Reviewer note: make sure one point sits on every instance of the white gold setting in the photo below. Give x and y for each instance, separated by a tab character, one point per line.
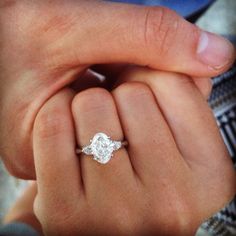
101	148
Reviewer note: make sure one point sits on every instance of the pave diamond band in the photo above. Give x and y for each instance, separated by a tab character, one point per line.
101	148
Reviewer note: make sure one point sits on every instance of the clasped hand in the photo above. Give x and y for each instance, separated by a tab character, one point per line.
165	183
175	172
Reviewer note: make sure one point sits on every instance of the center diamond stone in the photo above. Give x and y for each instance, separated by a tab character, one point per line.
101	148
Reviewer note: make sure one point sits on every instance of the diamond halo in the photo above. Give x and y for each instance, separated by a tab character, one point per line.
101	148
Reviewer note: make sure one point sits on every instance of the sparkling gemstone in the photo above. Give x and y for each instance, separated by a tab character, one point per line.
87	150
102	147
117	145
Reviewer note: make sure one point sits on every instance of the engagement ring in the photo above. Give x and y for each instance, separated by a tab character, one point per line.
101	148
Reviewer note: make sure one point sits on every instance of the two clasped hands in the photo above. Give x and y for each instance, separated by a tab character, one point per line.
175	172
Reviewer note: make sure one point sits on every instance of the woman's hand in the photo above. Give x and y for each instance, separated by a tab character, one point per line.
174	174
45	45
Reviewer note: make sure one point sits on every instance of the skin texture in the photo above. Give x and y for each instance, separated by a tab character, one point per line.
42	53
165	183
45	45
22	210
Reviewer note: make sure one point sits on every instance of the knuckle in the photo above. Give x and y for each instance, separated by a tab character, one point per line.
161	28
50	122
95	99
52	213
183	222
176	82
135	90
175	212
180	221
182	80
183	225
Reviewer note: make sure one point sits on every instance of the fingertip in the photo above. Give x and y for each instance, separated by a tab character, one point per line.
215	51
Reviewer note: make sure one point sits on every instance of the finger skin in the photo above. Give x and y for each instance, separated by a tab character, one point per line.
157	37
94	111
94	32
151	144
194	129
57	166
113	74
192	122
204	85
54	41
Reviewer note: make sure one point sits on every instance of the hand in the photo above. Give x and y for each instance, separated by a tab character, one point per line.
45	45
174	174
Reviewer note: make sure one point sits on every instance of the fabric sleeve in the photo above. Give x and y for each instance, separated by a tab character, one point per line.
17	229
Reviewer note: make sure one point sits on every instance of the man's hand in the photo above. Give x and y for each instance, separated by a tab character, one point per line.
45	45
166	182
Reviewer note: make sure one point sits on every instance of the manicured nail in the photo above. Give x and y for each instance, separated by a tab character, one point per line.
214	50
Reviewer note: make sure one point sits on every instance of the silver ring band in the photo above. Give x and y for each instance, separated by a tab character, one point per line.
79	150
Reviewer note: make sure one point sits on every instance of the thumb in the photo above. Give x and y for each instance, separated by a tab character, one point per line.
157	37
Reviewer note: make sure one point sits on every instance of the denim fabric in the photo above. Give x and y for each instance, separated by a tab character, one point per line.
17	229
185	8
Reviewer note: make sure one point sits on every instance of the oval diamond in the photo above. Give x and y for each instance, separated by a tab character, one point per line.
102	148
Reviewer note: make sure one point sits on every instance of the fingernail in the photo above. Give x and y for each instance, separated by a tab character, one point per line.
215	51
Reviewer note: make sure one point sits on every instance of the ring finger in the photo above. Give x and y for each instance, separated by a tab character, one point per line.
94	111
